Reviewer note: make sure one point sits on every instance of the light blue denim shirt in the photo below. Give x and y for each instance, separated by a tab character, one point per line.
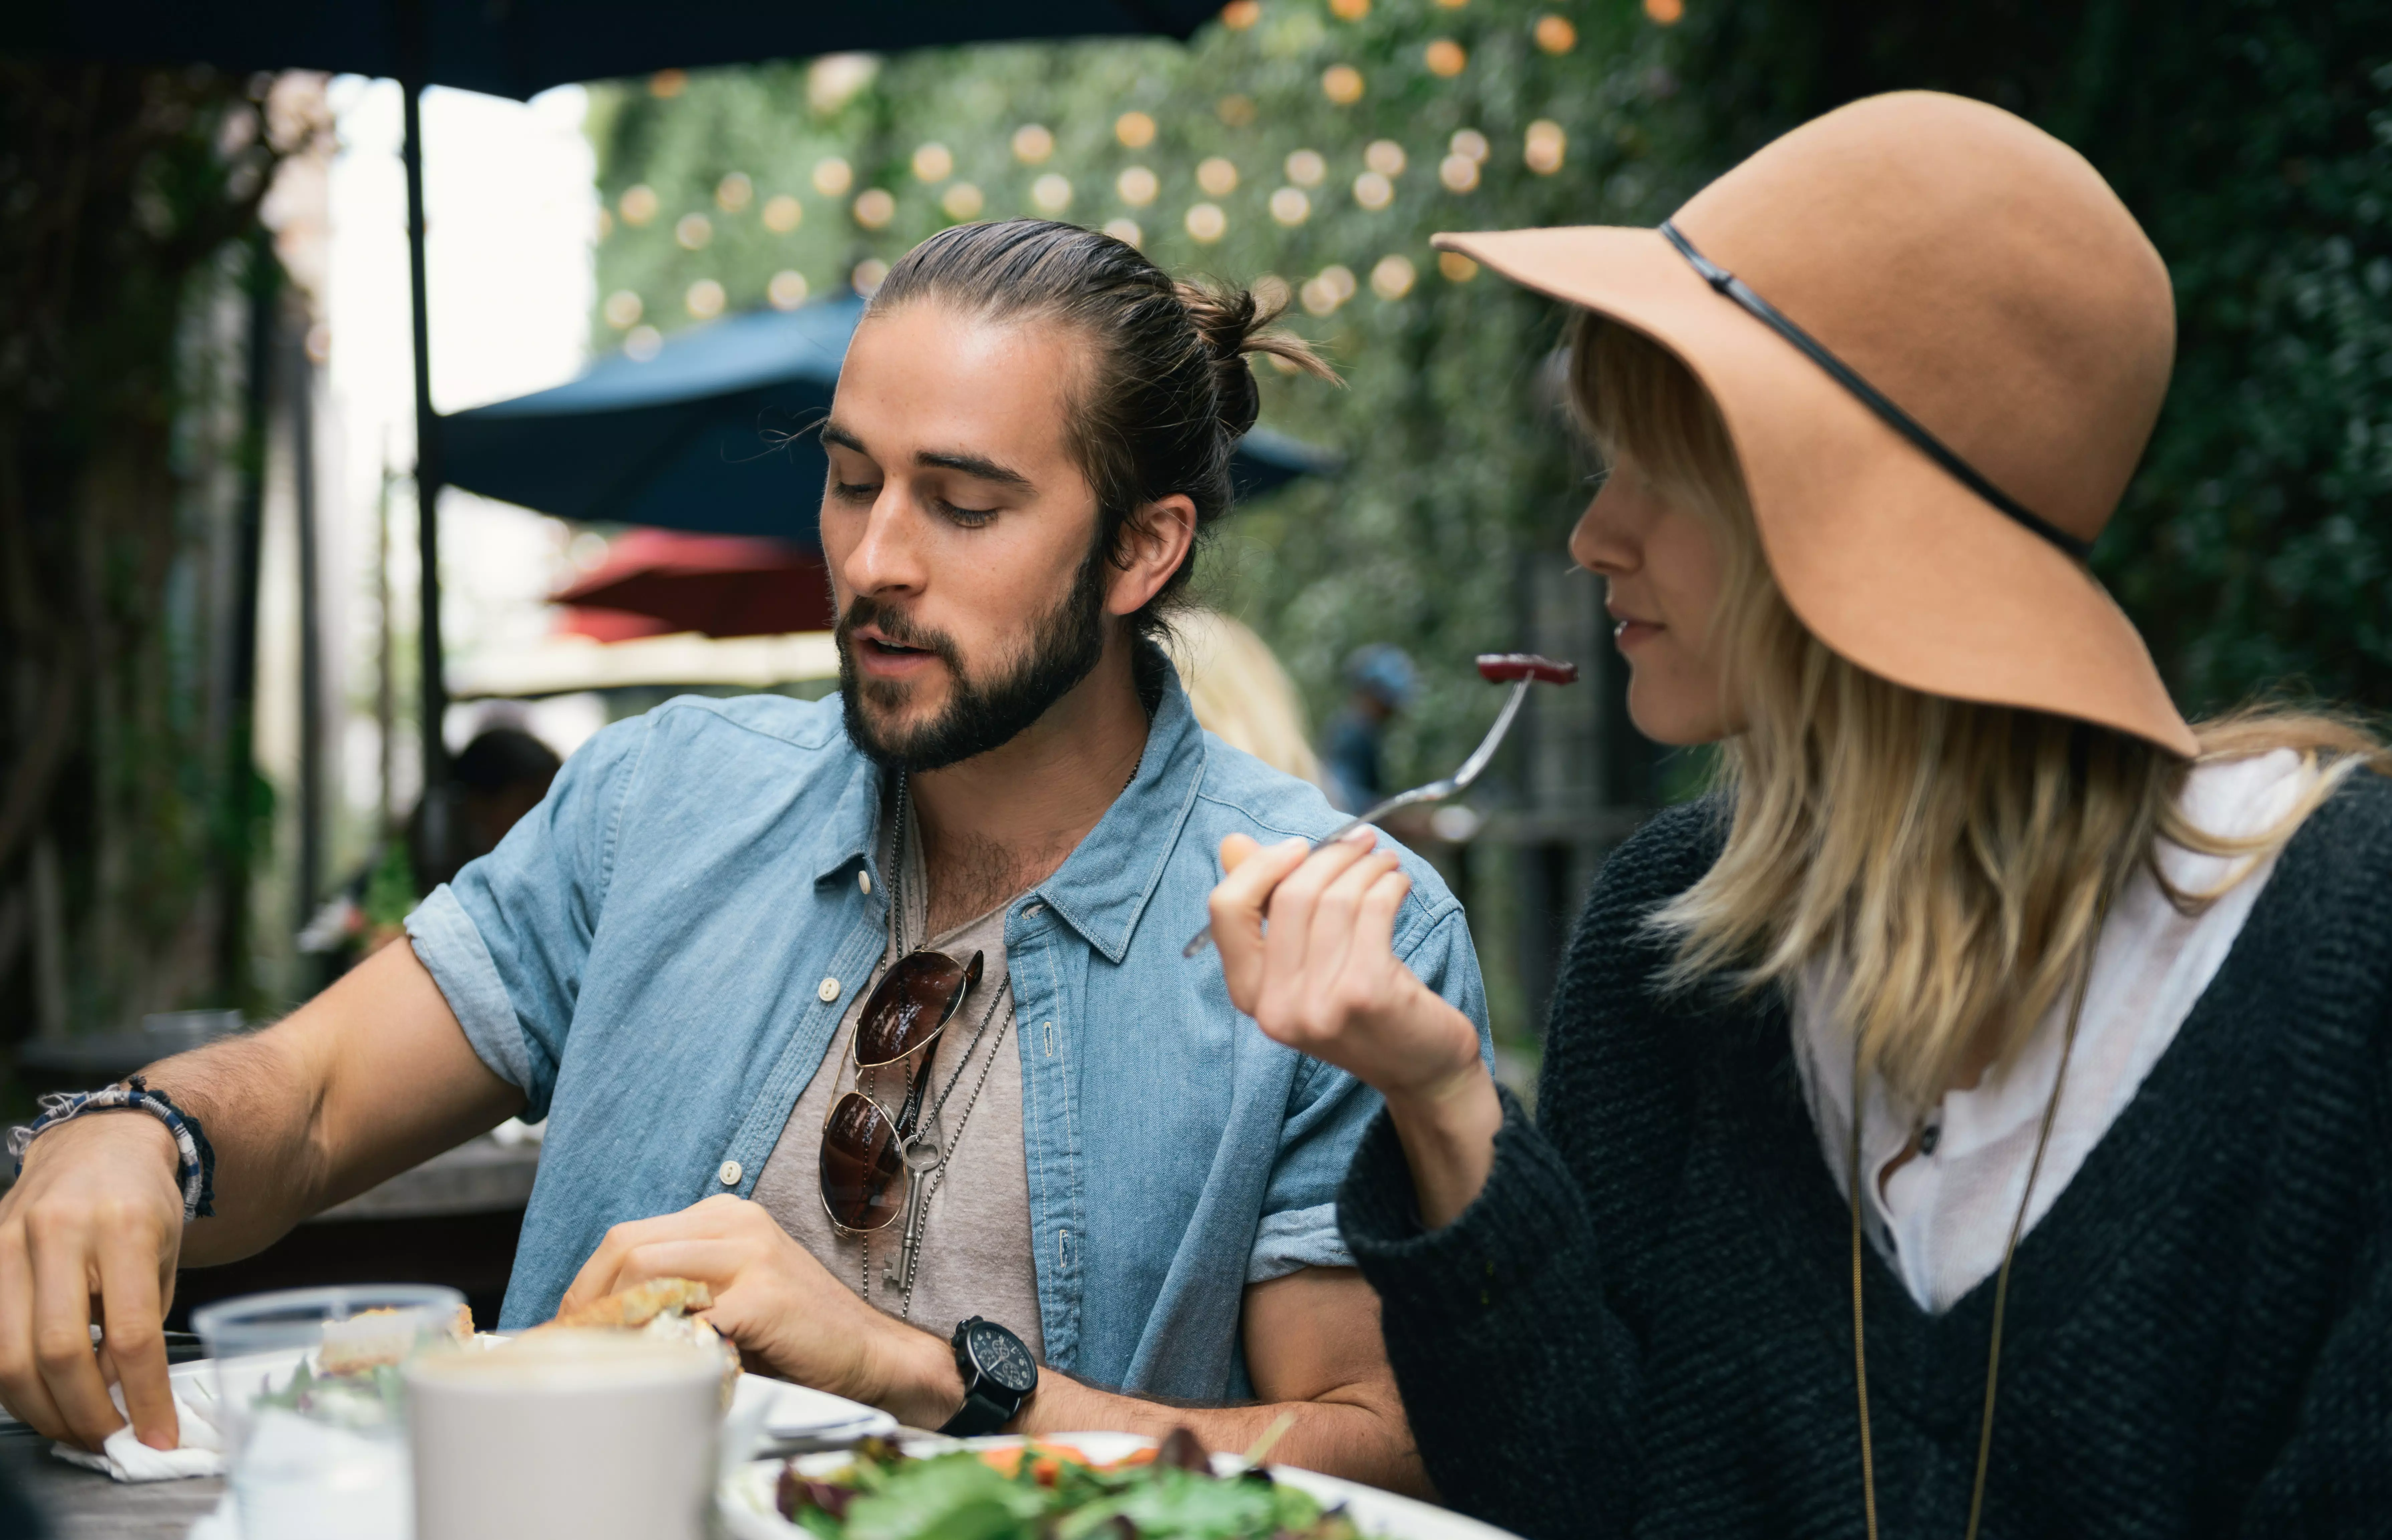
659	954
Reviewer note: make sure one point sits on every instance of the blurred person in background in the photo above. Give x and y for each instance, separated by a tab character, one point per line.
1380	681
1984	991
499	778
1239	692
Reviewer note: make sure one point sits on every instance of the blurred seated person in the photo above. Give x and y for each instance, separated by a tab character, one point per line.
1381	681
500	776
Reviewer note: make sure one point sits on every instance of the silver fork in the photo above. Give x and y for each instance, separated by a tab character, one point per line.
1522	669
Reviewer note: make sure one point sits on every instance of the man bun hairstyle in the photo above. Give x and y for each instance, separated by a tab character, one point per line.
1167	391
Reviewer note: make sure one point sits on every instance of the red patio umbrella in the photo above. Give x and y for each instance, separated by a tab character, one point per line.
658	581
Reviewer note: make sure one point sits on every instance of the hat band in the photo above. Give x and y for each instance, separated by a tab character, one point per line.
1870	396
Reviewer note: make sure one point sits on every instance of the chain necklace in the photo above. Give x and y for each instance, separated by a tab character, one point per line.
925	1181
2002	1283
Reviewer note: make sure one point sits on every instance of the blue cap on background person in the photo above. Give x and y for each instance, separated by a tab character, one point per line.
1384	672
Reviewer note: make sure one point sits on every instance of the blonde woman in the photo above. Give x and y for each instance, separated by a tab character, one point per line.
1974	1117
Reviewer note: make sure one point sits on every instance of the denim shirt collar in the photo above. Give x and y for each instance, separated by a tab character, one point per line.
1102	888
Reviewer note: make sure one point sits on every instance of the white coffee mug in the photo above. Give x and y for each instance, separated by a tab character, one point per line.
597	1435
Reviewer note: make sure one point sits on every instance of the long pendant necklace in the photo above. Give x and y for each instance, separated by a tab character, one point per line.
2002	1282
925	1148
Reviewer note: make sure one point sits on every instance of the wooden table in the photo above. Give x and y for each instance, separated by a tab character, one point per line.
84	1505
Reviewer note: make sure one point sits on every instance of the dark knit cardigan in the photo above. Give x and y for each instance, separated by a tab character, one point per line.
1642	1325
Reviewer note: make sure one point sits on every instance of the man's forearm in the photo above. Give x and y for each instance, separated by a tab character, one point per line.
1359	1439
250	1096
1358	1432
366	1080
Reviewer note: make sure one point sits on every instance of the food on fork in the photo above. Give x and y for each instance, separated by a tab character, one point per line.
1511	667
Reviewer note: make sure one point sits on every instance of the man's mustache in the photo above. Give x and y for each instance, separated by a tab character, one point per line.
894	625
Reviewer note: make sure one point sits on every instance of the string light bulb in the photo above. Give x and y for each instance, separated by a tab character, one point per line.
1051	194
1216	176
1135	130
1342	84
833	176
1032	143
782	214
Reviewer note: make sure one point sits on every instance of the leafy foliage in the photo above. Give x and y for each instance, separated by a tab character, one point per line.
132	227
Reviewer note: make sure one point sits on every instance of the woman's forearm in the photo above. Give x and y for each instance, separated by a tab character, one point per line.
1448	1137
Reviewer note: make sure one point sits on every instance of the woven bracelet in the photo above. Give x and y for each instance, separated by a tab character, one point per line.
196	1170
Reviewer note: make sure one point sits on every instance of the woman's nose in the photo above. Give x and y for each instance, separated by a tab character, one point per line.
1603	541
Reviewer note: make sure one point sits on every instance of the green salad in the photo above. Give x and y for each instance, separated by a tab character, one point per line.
1050	1492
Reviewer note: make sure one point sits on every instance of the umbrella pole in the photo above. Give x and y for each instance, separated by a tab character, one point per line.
433	834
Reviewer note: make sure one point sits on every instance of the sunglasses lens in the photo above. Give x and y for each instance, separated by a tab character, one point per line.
863	1169
908	1006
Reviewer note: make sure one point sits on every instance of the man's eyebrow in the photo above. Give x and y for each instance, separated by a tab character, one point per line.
832	432
978	466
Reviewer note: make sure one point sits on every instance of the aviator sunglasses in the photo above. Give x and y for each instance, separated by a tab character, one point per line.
865	1174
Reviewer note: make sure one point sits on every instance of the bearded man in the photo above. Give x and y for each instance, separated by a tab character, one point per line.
871	1014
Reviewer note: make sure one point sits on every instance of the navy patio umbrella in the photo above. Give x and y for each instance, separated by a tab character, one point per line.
710	434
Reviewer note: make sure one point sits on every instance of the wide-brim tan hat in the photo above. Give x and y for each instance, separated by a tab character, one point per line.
1979	280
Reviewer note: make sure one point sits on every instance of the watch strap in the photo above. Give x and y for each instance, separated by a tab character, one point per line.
978	1414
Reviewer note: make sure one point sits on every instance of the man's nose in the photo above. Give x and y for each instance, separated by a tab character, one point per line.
887	559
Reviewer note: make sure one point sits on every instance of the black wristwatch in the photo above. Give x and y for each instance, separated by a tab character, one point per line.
998	1374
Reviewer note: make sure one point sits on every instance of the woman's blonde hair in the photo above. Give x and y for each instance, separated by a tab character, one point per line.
1239	691
1949	861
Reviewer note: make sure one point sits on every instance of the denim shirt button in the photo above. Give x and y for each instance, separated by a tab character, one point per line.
864	882
828	990
1031	911
729	1173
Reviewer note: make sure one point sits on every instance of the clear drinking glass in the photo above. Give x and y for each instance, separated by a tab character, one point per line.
312	1405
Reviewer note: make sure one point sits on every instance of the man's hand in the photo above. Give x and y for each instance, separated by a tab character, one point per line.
783	1310
98	1216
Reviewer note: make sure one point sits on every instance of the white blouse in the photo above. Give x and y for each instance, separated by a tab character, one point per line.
1942	1220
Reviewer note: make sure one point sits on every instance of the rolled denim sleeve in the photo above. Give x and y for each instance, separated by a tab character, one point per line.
1330	1110
508	939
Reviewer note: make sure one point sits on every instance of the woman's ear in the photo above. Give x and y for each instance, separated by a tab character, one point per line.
1153	542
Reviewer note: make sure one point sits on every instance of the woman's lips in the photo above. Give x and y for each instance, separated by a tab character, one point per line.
1628	634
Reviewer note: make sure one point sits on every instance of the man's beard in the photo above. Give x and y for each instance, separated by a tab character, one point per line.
1065	645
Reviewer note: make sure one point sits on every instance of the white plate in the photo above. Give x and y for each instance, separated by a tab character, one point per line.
788	1412
795	1412
745	1499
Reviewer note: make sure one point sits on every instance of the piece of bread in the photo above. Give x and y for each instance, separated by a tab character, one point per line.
658	1308
372	1338
639	1304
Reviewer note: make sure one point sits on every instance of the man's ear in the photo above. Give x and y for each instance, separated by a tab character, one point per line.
1153	542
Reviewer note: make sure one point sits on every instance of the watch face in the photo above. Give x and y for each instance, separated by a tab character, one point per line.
1002	1357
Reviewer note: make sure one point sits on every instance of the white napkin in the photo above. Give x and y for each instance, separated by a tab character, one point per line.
126	1458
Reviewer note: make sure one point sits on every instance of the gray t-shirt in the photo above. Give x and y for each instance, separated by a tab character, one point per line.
976	1256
